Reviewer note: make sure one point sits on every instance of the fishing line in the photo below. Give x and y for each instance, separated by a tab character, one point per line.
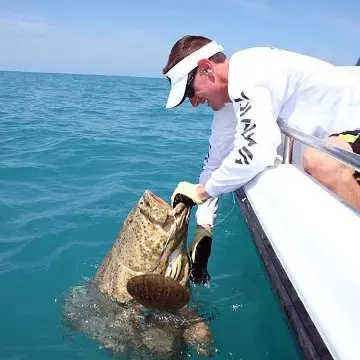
228	214
173	215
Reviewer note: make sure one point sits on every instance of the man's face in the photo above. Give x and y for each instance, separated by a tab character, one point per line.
208	89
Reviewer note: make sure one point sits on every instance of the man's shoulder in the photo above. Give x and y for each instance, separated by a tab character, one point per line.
266	54
253	67
250	61
255	49
252	52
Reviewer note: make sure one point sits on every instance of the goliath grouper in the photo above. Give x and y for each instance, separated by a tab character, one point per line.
137	302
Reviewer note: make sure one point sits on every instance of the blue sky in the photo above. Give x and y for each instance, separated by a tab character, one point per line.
134	37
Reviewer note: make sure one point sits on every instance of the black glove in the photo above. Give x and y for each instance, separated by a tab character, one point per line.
186	193
200	250
181	198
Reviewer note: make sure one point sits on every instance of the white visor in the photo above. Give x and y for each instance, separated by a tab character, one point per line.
178	74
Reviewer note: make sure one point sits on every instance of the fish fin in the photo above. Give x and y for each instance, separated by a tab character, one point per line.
174	267
158	292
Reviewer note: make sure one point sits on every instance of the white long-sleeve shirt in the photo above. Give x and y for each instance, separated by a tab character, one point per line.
265	85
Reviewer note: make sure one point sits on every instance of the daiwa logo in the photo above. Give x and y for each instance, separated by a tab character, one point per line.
246	155
242	97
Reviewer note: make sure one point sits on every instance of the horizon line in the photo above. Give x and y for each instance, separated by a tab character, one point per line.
78	73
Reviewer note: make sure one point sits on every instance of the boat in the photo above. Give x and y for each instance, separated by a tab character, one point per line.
309	242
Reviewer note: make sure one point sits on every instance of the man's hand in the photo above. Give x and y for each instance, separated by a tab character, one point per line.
189	194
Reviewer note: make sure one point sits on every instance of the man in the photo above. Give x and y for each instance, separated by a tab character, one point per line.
249	93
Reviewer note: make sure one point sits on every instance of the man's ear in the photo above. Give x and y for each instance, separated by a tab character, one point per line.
205	67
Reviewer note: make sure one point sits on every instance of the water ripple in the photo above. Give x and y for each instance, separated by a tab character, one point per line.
76	153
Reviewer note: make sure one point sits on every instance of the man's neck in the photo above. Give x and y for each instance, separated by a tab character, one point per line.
223	76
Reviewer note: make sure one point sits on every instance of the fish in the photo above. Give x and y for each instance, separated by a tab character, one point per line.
138	299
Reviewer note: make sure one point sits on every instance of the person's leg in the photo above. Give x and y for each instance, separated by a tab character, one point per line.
331	173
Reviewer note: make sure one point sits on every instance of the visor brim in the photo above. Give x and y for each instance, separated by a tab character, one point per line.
176	95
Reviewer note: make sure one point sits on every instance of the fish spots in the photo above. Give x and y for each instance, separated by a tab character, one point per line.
144	244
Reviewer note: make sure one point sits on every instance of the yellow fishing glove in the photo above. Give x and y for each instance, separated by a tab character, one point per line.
186	193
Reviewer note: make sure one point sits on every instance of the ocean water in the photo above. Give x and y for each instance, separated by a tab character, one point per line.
76	153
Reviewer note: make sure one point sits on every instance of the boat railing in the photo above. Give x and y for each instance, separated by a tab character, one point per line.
345	157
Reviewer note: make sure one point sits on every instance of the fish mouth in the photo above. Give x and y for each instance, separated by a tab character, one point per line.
159	200
156	291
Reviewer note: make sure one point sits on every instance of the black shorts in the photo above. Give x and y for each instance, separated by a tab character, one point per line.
353	139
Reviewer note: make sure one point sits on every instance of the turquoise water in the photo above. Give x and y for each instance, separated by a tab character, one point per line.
76	153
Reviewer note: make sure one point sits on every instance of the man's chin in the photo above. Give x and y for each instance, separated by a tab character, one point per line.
217	107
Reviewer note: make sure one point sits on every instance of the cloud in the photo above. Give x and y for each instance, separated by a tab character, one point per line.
21	27
345	25
260	7
97	49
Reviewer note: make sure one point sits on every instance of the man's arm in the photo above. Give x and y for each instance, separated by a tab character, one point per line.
254	147
220	144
